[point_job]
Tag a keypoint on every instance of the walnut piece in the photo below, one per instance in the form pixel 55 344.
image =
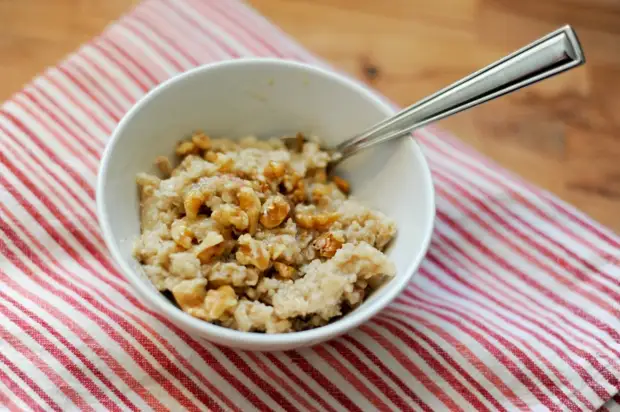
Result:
pixel 342 184
pixel 250 204
pixel 328 244
pixel 274 170
pixel 201 140
pixel 285 271
pixel 252 252
pixel 231 215
pixel 164 165
pixel 210 246
pixel 186 148
pixel 192 202
pixel 219 302
pixel 275 211
pixel 181 234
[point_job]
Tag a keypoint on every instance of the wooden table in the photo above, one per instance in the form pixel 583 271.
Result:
pixel 563 134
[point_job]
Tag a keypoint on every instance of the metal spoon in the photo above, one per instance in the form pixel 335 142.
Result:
pixel 552 54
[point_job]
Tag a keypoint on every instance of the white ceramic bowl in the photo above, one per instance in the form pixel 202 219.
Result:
pixel 266 97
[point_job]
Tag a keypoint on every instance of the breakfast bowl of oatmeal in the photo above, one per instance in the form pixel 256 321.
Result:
pixel 247 242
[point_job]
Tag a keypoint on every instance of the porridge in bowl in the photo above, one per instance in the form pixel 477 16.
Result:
pixel 250 235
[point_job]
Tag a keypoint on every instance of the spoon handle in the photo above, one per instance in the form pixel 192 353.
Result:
pixel 554 53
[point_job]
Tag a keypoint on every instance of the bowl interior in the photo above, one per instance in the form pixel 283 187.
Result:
pixel 268 98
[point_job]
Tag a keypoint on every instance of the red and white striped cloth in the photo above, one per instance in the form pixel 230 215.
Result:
pixel 516 306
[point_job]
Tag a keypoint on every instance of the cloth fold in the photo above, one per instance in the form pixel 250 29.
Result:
pixel 516 306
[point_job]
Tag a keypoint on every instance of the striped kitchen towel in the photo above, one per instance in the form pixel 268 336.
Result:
pixel 516 306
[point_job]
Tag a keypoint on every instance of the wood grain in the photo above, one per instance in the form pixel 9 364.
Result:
pixel 562 134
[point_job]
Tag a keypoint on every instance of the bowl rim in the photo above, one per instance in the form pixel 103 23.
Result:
pixel 180 318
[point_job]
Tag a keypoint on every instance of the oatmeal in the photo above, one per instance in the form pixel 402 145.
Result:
pixel 253 236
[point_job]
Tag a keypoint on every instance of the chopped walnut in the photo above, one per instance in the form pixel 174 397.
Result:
pixel 181 233
pixel 250 204
pixel 233 274
pixel 274 170
pixel 284 271
pixel 211 246
pixel 253 236
pixel 252 252
pixel 225 163
pixel 164 165
pixel 275 211
pixel 319 221
pixel 210 156
pixel 231 215
pixel 192 202
pixel 201 140
pixel 219 302
pixel 186 148
pixel 342 184
pixel 148 184
pixel 328 244
pixel 190 293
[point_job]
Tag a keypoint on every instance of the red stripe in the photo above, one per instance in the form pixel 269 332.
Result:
pixel 529 257
pixel 265 386
pixel 387 372
pixel 303 364
pixel 297 381
pixel 95 346
pixel 93 251
pixel 530 282
pixel 7 402
pixel 136 80
pixel 93 147
pixel 130 53
pixel 167 39
pixel 515 229
pixel 466 353
pixel 95 118
pixel 440 369
pixel 60 384
pixel 13 386
pixel 88 92
pixel 33 137
pixel 278 380
pixel 131 26
pixel 137 356
pixel 197 24
pixel 92 83
pixel 368 393
pixel 95 66
pixel 58 354
pixel 28 381
pixel 96 372
pixel 481 337
pixel 26 162
pixel 575 217
pixel 376 380
pixel 234 24
pixel 145 342
pixel 262 29
pixel 222 21
pixel 411 367
pixel 194 45
pixel 489 177
pixel 88 162
pixel 599 390
pixel 83 136
pixel 211 361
